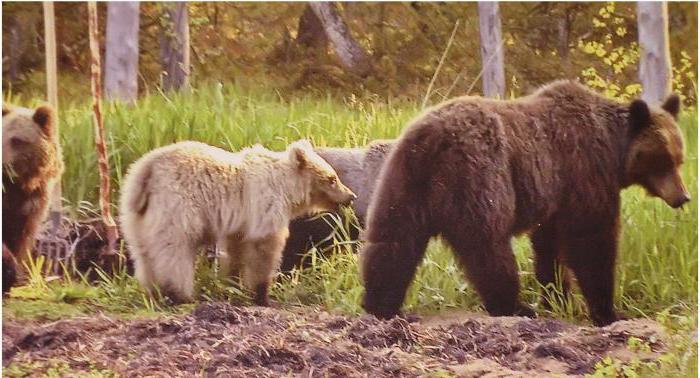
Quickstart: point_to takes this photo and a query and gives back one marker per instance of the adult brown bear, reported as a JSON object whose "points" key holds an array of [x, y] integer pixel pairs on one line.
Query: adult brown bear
{"points": [[478, 171]]}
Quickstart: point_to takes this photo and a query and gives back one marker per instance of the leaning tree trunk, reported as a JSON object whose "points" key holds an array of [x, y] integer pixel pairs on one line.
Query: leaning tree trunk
{"points": [[102, 159], [493, 77], [655, 60], [122, 50], [311, 33], [349, 51], [175, 46]]}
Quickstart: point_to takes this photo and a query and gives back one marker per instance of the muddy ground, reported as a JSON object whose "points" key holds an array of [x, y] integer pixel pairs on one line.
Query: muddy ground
{"points": [[219, 339]]}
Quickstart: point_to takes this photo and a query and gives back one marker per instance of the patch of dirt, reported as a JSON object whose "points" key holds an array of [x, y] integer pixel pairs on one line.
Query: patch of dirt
{"points": [[222, 339]]}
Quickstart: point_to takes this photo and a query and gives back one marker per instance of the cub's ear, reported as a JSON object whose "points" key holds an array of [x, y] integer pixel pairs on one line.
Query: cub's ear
{"points": [[640, 117], [672, 105], [44, 117], [298, 153]]}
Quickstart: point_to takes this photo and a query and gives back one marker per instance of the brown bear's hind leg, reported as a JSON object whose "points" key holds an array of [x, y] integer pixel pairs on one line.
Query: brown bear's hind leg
{"points": [[490, 267], [387, 271], [591, 256], [548, 265]]}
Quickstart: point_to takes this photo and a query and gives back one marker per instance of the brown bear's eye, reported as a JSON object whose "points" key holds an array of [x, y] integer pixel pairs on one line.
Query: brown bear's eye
{"points": [[332, 180], [17, 142]]}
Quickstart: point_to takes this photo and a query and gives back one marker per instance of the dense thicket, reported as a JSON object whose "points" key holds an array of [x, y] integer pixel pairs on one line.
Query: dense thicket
{"points": [[404, 41]]}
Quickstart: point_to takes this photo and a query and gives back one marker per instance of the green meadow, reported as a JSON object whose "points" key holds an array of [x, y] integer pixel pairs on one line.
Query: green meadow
{"points": [[657, 271]]}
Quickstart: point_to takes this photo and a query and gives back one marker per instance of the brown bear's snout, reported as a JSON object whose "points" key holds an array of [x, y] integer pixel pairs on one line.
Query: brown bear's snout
{"points": [[680, 200], [350, 198]]}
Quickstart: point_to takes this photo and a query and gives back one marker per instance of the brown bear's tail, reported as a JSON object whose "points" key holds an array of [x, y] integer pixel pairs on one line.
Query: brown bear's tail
{"points": [[136, 189], [399, 221]]}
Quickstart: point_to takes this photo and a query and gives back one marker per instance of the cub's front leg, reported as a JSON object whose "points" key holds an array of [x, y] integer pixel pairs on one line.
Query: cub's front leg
{"points": [[260, 260]]}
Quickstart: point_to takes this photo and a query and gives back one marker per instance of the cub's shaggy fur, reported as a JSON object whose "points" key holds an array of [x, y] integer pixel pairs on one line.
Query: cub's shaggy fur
{"points": [[30, 167], [478, 171], [358, 168], [179, 198]]}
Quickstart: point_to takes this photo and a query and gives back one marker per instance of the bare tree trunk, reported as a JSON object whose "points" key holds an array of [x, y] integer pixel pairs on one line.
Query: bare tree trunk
{"points": [[102, 160], [52, 94], [655, 59], [175, 46], [122, 50], [311, 33], [350, 53], [493, 78], [14, 48]]}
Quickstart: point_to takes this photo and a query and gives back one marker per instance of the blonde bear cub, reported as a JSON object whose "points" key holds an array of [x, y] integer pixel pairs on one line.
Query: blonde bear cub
{"points": [[179, 198]]}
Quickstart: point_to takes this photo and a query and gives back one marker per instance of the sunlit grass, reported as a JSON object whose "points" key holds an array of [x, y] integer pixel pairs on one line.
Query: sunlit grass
{"points": [[656, 272]]}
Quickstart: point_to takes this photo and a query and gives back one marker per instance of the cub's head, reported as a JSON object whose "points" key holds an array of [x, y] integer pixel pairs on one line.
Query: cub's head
{"points": [[27, 137], [656, 151], [326, 192]]}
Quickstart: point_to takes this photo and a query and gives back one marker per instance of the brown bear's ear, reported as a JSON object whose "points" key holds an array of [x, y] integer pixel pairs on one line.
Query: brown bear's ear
{"points": [[44, 117], [6, 109], [672, 105], [640, 117], [297, 155]]}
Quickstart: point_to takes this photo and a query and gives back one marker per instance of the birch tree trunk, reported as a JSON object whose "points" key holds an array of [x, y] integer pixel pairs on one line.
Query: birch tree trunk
{"points": [[493, 77], [52, 96], [100, 145], [175, 46], [348, 50], [122, 51], [655, 59]]}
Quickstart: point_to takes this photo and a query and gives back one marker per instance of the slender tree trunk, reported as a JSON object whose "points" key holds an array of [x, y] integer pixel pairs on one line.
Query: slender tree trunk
{"points": [[655, 59], [102, 159], [175, 46], [13, 48], [493, 77], [52, 94], [348, 50], [122, 50]]}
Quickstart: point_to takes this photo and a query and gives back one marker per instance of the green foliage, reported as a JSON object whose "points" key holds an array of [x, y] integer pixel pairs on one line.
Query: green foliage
{"points": [[255, 44]]}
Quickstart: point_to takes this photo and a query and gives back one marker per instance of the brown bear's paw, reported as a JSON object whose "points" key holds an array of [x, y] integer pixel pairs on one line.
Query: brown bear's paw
{"points": [[380, 310], [261, 296], [601, 320], [525, 310]]}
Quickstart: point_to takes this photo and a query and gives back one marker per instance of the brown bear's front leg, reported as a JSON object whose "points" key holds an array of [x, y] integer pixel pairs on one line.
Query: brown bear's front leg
{"points": [[260, 261], [591, 252], [9, 270], [547, 248]]}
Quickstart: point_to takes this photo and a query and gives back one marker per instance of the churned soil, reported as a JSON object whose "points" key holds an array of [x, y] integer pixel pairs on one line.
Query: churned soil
{"points": [[220, 339]]}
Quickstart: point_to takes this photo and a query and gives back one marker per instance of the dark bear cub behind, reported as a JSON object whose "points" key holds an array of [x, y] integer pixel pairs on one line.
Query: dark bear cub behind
{"points": [[358, 168], [478, 171]]}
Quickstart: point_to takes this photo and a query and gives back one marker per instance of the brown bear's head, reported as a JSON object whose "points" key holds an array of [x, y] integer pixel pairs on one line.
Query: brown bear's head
{"points": [[326, 190], [656, 151], [26, 139]]}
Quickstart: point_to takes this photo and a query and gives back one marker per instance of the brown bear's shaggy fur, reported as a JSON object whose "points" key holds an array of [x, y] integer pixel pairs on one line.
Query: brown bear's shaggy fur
{"points": [[478, 171], [30, 166]]}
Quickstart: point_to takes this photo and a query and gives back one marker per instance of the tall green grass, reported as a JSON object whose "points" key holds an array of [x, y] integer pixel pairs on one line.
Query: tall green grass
{"points": [[657, 269]]}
